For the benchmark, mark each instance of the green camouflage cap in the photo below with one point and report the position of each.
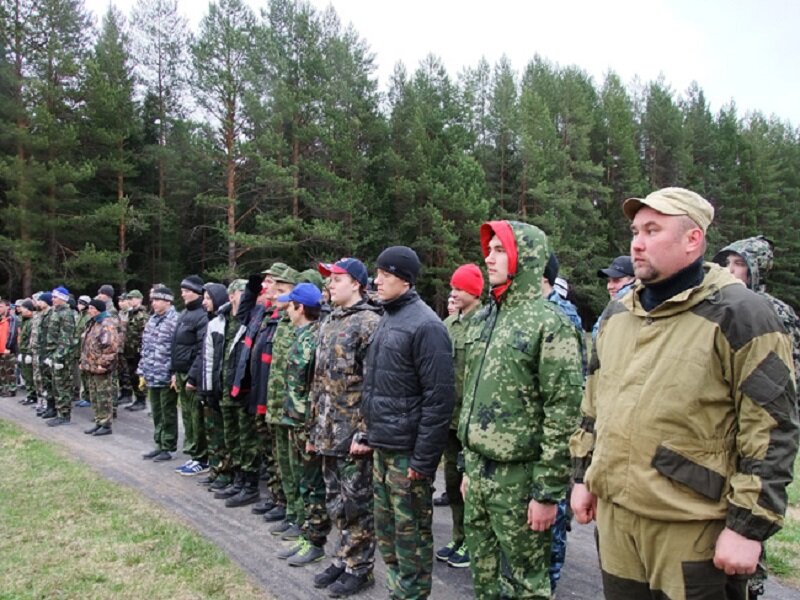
(283, 272)
(237, 285)
(134, 294)
(312, 276)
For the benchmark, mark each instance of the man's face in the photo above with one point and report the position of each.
(58, 302)
(660, 245)
(615, 284)
(295, 314)
(461, 298)
(3, 309)
(123, 304)
(738, 268)
(279, 289)
(343, 289)
(390, 286)
(188, 295)
(497, 262)
(208, 303)
(234, 299)
(160, 306)
(92, 311)
(269, 290)
(134, 302)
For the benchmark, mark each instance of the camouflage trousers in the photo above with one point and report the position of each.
(403, 520)
(349, 500)
(289, 483)
(452, 484)
(239, 429)
(219, 458)
(195, 443)
(27, 375)
(128, 380)
(62, 389)
(507, 559)
(307, 471)
(558, 549)
(164, 406)
(102, 390)
(8, 374)
(643, 557)
(265, 435)
(42, 380)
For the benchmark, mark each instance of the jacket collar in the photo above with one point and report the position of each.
(408, 298)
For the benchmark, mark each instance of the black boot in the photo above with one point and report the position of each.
(136, 405)
(232, 489)
(248, 494)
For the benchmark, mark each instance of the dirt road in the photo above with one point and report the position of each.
(244, 536)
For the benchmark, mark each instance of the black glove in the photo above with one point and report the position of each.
(254, 283)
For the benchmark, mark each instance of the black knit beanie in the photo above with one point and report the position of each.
(551, 269)
(401, 261)
(98, 304)
(193, 283)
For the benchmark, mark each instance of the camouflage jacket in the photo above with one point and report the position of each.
(61, 344)
(523, 383)
(100, 345)
(157, 348)
(81, 324)
(757, 253)
(41, 320)
(276, 386)
(458, 328)
(298, 374)
(690, 408)
(339, 377)
(25, 332)
(135, 321)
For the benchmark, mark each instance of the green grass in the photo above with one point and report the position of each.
(69, 533)
(783, 549)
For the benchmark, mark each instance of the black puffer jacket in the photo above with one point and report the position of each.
(409, 388)
(189, 335)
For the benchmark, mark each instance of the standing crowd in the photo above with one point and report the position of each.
(675, 428)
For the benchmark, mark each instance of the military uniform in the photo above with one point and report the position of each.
(99, 354)
(335, 419)
(136, 319)
(42, 376)
(522, 390)
(306, 467)
(457, 327)
(714, 351)
(276, 394)
(79, 385)
(25, 358)
(60, 349)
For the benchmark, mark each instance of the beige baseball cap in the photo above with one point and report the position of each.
(674, 201)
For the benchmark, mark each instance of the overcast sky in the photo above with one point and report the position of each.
(748, 51)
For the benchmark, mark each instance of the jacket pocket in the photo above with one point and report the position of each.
(696, 477)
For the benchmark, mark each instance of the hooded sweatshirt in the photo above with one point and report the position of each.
(757, 253)
(523, 382)
(206, 370)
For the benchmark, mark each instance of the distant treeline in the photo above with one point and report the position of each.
(140, 153)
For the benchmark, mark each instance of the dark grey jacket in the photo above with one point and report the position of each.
(409, 388)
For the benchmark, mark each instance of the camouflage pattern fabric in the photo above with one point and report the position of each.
(757, 253)
(41, 372)
(219, 458)
(195, 443)
(26, 360)
(457, 326)
(265, 438)
(558, 549)
(403, 520)
(298, 372)
(102, 390)
(276, 387)
(307, 471)
(60, 347)
(164, 406)
(496, 525)
(349, 502)
(452, 485)
(522, 394)
(289, 477)
(338, 377)
(8, 371)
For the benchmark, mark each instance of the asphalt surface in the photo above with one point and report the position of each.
(245, 537)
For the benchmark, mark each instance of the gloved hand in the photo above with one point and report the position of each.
(48, 362)
(254, 283)
(19, 358)
(58, 366)
(142, 384)
(28, 359)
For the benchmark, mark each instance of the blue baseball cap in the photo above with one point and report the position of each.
(306, 294)
(346, 266)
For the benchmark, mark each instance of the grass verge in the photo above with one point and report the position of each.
(782, 548)
(69, 533)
